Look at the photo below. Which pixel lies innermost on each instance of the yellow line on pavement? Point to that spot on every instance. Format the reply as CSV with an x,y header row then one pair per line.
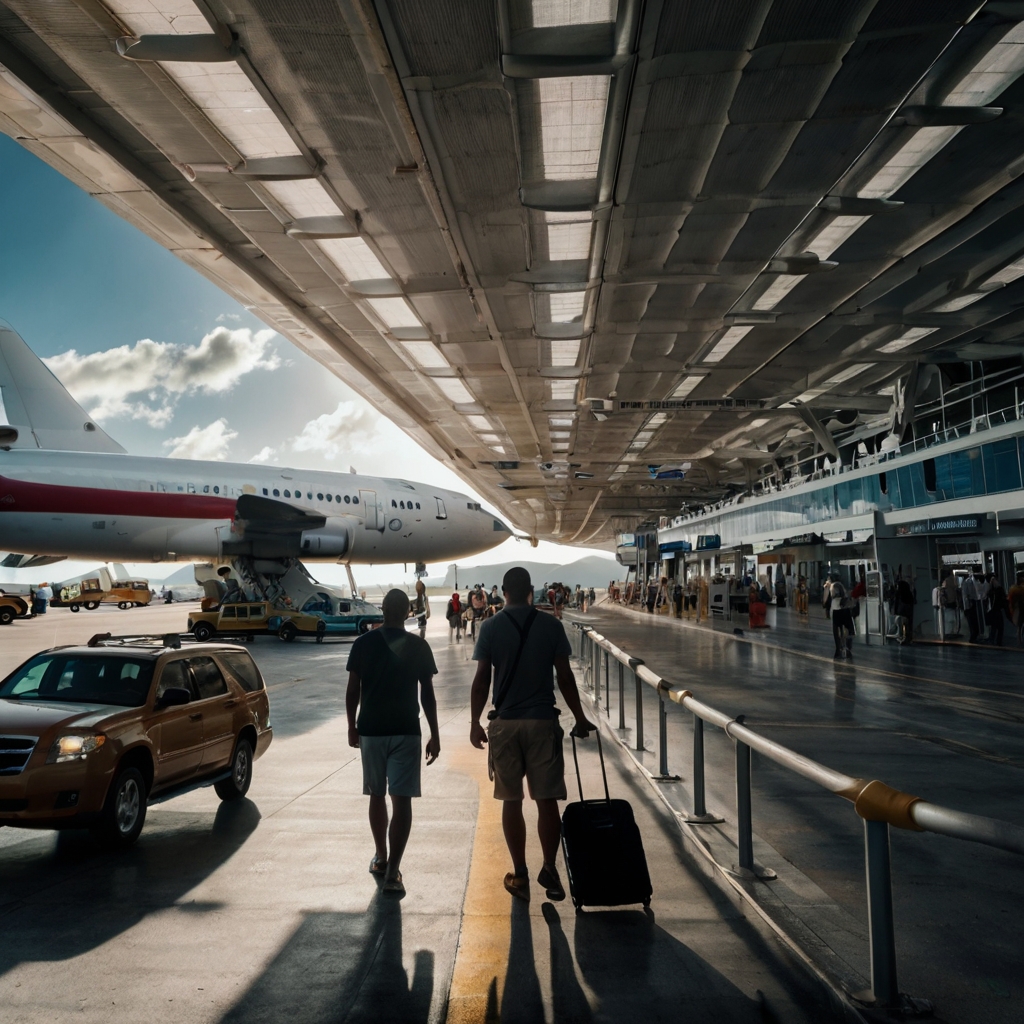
x,y
478,977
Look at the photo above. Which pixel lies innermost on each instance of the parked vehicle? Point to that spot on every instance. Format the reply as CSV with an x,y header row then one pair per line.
x,y
241,618
12,607
320,617
129,594
86,593
89,736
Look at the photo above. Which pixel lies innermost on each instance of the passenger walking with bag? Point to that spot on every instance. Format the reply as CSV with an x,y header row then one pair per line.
x,y
454,616
841,605
390,674
524,650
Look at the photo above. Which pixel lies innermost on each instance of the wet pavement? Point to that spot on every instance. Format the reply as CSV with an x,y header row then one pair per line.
x,y
940,722
265,911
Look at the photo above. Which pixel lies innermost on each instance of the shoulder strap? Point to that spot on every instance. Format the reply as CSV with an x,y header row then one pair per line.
x,y
506,683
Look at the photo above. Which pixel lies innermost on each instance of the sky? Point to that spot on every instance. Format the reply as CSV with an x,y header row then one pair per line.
x,y
170,365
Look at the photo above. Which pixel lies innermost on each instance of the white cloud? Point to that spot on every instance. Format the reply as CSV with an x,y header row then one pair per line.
x,y
264,454
208,443
352,427
144,381
228,316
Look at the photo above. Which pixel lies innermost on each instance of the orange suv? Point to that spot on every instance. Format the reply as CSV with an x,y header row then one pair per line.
x,y
90,735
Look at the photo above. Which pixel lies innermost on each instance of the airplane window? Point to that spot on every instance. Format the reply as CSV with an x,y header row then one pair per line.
x,y
216,489
319,497
394,504
206,488
355,501
329,498
309,495
180,488
337,498
417,504
264,490
277,493
348,500
191,488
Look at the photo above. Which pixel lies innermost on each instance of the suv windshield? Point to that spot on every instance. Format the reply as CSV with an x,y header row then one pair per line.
x,y
81,679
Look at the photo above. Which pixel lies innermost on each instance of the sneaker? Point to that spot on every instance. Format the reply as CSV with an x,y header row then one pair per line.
x,y
518,886
553,888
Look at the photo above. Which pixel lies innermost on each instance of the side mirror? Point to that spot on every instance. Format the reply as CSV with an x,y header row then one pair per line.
x,y
173,696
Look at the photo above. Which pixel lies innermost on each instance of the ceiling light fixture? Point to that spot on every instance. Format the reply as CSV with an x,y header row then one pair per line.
x,y
726,344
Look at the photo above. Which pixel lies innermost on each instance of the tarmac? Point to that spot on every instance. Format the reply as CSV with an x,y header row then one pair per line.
x,y
265,911
939,721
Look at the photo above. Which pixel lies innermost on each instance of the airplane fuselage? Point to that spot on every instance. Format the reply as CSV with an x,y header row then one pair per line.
x,y
111,506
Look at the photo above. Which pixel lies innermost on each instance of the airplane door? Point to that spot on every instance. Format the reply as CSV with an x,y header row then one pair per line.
x,y
371,510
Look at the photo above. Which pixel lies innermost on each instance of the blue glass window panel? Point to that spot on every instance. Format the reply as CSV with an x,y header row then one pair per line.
x,y
1002,469
943,478
922,496
906,485
968,477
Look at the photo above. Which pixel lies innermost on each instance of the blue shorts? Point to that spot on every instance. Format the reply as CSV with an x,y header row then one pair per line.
x,y
390,764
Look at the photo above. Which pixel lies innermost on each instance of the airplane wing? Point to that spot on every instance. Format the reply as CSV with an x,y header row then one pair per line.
x,y
268,515
15,561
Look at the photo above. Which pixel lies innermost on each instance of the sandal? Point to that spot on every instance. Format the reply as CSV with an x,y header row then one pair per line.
x,y
553,887
394,884
518,886
378,866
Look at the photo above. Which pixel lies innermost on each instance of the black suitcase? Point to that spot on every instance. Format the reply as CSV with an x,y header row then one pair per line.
x,y
604,854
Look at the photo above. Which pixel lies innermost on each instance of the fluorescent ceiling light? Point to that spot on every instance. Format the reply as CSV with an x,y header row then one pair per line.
x,y
479,422
726,344
355,259
490,439
561,421
562,446
565,307
564,353
958,302
759,422
426,354
562,390
778,290
999,68
837,231
849,372
454,390
622,468
907,338
548,13
657,419
636,446
497,448
303,198
572,113
687,385
560,435
568,235
395,312
644,435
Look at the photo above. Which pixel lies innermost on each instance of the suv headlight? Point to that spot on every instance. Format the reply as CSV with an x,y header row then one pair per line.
x,y
74,748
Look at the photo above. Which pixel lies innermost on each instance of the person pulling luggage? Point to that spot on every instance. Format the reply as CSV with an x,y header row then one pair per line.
x,y
523,649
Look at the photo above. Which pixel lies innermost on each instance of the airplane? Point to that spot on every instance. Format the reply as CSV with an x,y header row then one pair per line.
x,y
68,489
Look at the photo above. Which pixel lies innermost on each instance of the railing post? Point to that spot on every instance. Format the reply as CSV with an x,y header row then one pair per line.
x,y
595,674
607,684
700,814
663,774
881,929
622,696
747,866
639,689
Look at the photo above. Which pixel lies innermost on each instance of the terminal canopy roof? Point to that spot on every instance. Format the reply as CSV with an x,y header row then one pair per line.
x,y
606,258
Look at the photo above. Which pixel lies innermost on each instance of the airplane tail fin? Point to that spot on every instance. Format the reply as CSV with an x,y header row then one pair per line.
x,y
37,408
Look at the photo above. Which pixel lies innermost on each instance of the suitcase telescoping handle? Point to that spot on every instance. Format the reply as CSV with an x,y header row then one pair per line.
x,y
576,761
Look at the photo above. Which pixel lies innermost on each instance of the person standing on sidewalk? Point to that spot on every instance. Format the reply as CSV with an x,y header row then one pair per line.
x,y
390,674
525,649
841,605
999,610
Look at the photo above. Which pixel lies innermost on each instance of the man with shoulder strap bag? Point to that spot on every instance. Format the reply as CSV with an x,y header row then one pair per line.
x,y
526,649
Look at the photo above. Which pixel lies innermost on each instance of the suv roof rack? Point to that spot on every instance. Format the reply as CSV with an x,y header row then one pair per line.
x,y
168,640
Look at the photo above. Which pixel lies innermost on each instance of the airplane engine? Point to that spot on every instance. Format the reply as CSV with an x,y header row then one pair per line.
x,y
329,541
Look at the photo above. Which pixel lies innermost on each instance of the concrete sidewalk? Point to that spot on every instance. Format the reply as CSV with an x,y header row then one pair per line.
x,y
264,911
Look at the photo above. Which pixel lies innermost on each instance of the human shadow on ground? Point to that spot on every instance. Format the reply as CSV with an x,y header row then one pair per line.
x,y
65,895
344,967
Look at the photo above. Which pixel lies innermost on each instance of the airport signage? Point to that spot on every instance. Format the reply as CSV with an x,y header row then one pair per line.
x,y
948,524
802,538
708,541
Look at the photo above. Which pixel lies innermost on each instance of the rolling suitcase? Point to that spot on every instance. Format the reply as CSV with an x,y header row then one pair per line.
x,y
604,854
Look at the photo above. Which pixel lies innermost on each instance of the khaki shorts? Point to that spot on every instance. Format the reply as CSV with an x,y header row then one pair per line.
x,y
391,764
530,747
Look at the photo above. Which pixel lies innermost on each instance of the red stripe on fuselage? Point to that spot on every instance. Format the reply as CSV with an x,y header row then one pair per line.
x,y
22,496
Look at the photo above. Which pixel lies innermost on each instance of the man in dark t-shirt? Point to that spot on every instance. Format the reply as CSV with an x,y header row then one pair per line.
x,y
390,673
527,649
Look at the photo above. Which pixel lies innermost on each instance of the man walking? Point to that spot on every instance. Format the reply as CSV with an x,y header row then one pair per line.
x,y
525,648
842,617
386,667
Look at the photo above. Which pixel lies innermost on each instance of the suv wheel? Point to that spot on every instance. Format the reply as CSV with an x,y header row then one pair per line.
x,y
91,605
237,786
124,813
6,616
75,607
202,631
288,632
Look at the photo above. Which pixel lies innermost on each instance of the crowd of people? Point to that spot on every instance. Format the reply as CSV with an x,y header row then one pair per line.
x,y
466,611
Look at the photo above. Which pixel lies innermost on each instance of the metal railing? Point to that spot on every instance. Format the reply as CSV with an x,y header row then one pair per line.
x,y
880,806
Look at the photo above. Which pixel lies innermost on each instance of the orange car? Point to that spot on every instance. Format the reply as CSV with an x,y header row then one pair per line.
x,y
90,735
